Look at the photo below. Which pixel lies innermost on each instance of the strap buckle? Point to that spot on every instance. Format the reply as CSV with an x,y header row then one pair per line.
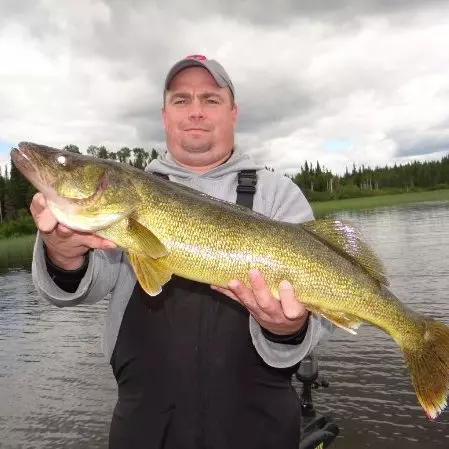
x,y
247,180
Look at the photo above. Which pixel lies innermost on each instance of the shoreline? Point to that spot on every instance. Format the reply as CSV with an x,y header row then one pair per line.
x,y
16,252
321,208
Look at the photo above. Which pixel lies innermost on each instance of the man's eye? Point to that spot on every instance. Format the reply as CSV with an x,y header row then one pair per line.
x,y
212,101
179,101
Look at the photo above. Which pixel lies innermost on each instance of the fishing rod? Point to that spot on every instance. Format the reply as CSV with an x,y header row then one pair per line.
x,y
318,430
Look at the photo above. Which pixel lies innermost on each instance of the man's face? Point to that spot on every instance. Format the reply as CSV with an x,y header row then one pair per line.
x,y
199,119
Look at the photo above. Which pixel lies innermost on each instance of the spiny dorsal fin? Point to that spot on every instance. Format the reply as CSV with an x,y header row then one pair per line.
x,y
152,274
345,238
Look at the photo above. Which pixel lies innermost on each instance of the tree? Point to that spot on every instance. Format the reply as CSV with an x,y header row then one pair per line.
x,y
140,158
92,150
100,152
72,148
2,195
19,191
103,152
123,155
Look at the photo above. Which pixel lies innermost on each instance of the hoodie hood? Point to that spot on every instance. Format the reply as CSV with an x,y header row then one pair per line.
x,y
166,165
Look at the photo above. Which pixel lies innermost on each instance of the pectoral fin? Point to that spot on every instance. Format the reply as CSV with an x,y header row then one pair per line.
x,y
146,239
134,237
151,273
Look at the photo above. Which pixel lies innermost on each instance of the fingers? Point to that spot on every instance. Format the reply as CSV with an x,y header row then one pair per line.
x,y
47,224
62,231
225,291
44,219
83,239
243,294
263,296
291,307
257,298
284,316
93,241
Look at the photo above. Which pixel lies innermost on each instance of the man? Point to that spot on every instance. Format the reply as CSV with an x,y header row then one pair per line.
x,y
197,366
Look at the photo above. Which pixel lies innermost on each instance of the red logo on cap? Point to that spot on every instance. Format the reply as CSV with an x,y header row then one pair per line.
x,y
197,57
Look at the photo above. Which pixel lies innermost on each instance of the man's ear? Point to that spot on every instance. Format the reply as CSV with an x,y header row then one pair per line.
x,y
164,117
235,113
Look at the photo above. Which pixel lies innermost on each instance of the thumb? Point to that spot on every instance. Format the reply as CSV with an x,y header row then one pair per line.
x,y
45,221
94,241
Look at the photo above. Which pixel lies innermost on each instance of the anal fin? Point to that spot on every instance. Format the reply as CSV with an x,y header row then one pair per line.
x,y
345,321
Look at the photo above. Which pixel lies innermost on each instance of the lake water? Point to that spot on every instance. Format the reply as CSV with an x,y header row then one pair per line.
x,y
57,391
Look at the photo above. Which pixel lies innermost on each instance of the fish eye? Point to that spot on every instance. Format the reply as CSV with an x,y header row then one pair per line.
x,y
62,160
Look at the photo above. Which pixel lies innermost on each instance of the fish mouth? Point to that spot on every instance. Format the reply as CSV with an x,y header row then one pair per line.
x,y
21,160
26,164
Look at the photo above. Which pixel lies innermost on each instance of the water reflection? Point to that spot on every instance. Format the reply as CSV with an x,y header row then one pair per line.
x,y
56,389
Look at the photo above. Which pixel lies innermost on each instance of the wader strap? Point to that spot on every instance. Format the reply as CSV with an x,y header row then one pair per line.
x,y
246,187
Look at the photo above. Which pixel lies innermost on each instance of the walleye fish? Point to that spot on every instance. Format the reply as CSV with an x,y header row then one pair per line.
x,y
166,228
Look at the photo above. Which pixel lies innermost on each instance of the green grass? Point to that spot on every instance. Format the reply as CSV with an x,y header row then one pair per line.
x,y
325,207
24,225
16,252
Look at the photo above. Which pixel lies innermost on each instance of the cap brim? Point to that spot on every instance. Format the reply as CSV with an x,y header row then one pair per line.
x,y
181,65
215,69
186,63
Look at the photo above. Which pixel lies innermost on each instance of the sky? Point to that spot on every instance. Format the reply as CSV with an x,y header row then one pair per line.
x,y
343,82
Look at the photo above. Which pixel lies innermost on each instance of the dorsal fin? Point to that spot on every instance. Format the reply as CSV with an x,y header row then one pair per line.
x,y
348,241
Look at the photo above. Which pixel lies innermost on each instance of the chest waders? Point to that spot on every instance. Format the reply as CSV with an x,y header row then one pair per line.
x,y
189,376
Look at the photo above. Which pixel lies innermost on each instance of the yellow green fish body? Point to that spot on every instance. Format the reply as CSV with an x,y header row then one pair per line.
x,y
166,229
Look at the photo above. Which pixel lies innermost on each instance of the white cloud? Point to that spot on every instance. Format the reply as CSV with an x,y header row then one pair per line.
x,y
91,72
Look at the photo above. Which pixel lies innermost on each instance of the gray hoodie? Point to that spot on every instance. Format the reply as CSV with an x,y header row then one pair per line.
x,y
109,273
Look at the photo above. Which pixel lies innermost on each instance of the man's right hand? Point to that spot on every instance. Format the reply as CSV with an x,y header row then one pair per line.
x,y
66,248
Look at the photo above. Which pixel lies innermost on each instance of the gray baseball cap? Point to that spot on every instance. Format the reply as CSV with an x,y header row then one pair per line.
x,y
213,67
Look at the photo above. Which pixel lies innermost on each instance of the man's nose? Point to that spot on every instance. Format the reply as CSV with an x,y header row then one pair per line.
x,y
196,110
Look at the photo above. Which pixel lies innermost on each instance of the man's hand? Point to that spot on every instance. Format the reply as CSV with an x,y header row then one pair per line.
x,y
65,248
284,317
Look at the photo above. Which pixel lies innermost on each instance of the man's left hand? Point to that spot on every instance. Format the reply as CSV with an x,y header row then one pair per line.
x,y
284,317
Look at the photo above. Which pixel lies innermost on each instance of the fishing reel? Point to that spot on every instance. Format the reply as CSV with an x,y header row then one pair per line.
x,y
318,430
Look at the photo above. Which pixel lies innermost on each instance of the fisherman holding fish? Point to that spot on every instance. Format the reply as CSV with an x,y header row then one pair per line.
x,y
197,366
206,366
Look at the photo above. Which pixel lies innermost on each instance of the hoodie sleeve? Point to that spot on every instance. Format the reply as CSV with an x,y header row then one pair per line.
x,y
92,287
281,199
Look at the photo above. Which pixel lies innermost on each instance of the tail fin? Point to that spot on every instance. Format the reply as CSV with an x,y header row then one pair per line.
x,y
429,368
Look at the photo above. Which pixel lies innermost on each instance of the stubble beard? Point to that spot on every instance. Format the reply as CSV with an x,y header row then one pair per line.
x,y
197,148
